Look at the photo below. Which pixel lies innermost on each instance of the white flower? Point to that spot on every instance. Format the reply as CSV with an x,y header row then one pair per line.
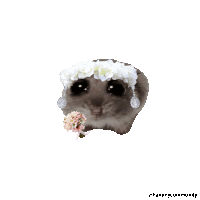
x,y
132,71
65,82
65,77
125,73
86,70
73,70
97,69
74,77
64,74
132,82
125,80
117,76
110,62
103,70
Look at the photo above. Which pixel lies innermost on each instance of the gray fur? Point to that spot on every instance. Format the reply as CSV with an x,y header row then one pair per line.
x,y
118,115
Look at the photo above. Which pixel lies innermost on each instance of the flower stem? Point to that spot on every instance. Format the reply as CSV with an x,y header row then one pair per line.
x,y
81,135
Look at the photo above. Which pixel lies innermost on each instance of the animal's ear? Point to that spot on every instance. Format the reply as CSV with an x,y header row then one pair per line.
x,y
142,87
142,81
138,71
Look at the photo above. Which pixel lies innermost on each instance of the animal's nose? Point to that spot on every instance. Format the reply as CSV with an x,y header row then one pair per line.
x,y
96,111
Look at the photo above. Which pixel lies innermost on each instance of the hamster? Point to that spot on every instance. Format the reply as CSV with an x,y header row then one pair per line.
x,y
106,105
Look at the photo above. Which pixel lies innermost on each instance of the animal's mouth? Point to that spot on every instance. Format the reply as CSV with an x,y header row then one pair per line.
x,y
96,117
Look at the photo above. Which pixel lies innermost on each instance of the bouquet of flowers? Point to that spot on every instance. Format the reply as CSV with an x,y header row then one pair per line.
x,y
75,121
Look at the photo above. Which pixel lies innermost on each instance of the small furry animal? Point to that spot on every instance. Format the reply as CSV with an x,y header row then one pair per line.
x,y
106,105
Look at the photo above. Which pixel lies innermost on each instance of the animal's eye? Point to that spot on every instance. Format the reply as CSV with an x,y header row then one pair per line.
x,y
79,87
115,88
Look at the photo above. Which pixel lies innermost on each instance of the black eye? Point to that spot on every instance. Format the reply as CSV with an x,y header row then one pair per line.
x,y
115,88
79,87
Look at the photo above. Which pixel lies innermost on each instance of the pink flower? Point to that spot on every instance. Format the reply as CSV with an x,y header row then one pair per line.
x,y
66,126
82,127
74,121
83,117
78,116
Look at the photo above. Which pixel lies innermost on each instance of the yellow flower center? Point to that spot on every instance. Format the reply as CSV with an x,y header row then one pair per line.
x,y
103,72
96,68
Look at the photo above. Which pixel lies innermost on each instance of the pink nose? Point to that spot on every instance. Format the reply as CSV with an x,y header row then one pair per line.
x,y
96,111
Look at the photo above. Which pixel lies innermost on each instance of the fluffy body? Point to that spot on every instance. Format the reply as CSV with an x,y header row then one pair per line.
x,y
117,113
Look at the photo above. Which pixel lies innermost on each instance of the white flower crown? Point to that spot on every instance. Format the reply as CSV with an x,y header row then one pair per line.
x,y
104,70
